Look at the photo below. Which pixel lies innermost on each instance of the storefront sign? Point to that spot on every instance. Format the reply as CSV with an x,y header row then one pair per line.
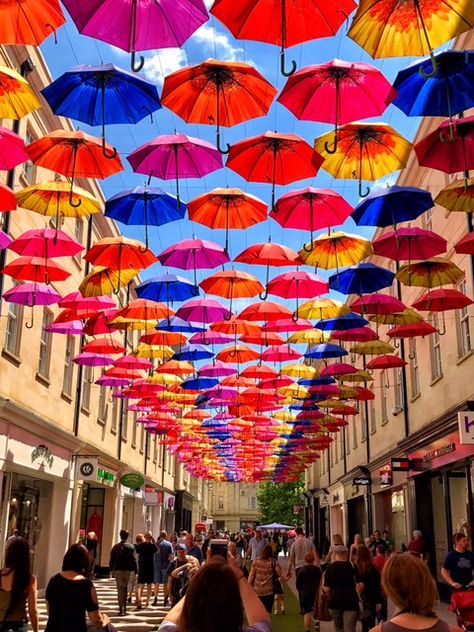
x,y
133,480
441,451
386,477
105,477
466,427
44,453
169,502
361,480
324,500
153,498
86,468
400,465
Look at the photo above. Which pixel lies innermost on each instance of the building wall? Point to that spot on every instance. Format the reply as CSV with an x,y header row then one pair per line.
x,y
233,505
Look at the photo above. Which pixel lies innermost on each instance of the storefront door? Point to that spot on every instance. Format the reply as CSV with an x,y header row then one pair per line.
x,y
92,513
357,517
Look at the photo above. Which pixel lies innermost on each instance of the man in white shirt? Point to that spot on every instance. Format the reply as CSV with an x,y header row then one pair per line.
x,y
301,546
256,545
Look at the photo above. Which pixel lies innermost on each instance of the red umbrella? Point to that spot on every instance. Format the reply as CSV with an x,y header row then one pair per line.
x,y
386,362
338,368
409,243
104,345
265,311
275,158
441,300
297,285
289,324
411,331
7,198
380,304
360,334
281,353
465,246
47,243
262,338
37,269
12,149
259,372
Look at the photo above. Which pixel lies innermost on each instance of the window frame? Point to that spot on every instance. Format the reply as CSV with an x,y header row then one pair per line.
x,y
15,315
46,346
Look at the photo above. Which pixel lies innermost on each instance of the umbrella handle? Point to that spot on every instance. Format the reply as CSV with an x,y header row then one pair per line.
x,y
363,194
71,200
310,249
396,344
353,358
443,331
50,26
223,151
104,151
370,371
284,72
140,65
31,322
331,150
451,136
434,69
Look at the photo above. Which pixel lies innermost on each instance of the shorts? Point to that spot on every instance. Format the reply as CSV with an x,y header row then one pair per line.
x,y
161,576
307,603
145,576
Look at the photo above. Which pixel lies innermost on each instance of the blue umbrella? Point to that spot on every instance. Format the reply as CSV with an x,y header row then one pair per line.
x,y
448,92
145,206
364,278
342,323
191,353
178,324
321,352
196,384
318,381
97,95
392,205
167,288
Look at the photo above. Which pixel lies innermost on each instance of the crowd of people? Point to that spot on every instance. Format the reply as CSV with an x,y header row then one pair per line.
x,y
208,579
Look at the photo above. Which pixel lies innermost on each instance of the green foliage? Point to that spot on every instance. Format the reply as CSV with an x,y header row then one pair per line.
x,y
276,502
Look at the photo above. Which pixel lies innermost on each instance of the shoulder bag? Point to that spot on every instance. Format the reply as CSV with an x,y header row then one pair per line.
x,y
321,610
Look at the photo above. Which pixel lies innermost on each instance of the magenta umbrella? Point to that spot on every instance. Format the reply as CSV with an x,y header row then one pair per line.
x,y
377,304
5,240
281,353
93,359
410,243
69,328
210,338
31,294
217,369
12,149
297,284
134,25
46,242
194,254
203,311
175,156
106,380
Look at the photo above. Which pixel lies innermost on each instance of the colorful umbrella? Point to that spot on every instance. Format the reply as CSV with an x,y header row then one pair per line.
x,y
238,354
337,92
36,269
217,369
102,281
47,243
364,278
104,345
392,205
377,304
98,95
178,324
458,196
194,254
372,347
144,206
52,200
297,285
211,338
430,274
93,359
31,294
263,338
336,250
29,21
367,151
7,199
12,149
142,309
74,155
409,243
134,26
5,240
281,353
203,311
411,331
341,323
325,351
465,246
226,209
168,288
406,317
323,308
223,93
17,99
282,23
275,158
175,156
120,253
383,362
265,311
192,353
232,284
442,300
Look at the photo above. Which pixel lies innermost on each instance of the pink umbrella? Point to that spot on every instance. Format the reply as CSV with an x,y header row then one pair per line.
x,y
410,243
93,359
46,242
194,254
381,304
297,284
338,368
70,328
30,294
277,382
75,300
210,338
5,240
281,353
12,150
288,325
134,26
171,157
203,311
359,334
130,362
105,380
217,369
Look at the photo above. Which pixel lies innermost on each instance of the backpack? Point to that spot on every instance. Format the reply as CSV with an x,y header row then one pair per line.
x,y
124,558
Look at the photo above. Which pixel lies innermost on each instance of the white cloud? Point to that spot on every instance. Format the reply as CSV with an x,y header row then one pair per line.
x,y
208,3
218,44
163,62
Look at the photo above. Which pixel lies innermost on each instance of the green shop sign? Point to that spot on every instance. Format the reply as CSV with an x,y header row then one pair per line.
x,y
105,477
133,480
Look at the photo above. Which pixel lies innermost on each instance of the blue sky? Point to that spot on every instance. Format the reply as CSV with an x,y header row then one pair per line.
x,y
213,40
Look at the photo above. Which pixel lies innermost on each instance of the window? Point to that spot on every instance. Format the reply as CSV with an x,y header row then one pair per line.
x,y
435,349
78,233
155,449
347,439
372,418
29,170
124,423
414,370
142,440
220,502
427,219
68,366
383,399
463,329
115,414
86,388
398,379
363,428
14,326
354,434
253,502
134,430
46,341
103,407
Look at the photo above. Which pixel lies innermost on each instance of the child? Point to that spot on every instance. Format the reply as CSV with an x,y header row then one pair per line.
x,y
307,584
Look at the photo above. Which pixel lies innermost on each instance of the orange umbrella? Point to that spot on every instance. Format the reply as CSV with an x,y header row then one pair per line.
x,y
75,155
238,354
265,311
120,253
232,284
176,367
142,309
167,338
235,327
227,208
29,21
221,92
263,338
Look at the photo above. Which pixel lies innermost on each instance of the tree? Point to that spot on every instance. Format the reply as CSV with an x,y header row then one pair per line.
x,y
276,502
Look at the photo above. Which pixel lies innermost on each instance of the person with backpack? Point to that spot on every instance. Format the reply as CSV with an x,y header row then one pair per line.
x,y
161,561
122,563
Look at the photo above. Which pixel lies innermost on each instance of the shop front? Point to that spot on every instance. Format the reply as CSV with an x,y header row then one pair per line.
x,y
337,513
358,499
169,518
389,491
324,525
184,511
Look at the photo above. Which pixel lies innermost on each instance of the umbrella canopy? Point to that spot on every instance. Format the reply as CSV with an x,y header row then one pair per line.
x,y
276,525
336,250
232,284
120,253
168,288
29,21
238,354
203,311
386,362
392,205
263,338
442,300
223,93
430,274
323,308
7,198
448,148
265,311
52,200
12,149
411,331
46,242
365,278
409,243
17,99
324,351
102,281
36,269
458,196
342,323
281,353
30,294
193,353
377,304
211,338
406,317
142,309
465,246
373,347
194,254
217,369
269,254
5,240
298,284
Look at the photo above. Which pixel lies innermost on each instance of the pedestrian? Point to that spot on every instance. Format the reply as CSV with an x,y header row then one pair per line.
x,y
216,600
386,537
299,548
146,573
70,594
408,583
354,546
371,594
336,541
377,541
341,582
161,561
284,543
458,565
417,546
307,584
193,549
256,545
275,544
18,588
176,582
261,577
91,545
380,558
122,562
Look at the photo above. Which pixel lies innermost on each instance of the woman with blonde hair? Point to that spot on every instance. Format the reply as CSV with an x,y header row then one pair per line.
x,y
354,546
408,583
336,541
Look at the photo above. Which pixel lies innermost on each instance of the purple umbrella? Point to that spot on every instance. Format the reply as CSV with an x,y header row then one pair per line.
x,y
217,369
5,240
211,338
175,156
105,380
203,311
138,25
194,254
69,328
93,359
31,294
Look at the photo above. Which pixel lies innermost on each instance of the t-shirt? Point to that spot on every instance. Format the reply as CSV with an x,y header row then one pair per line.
x,y
68,600
163,554
256,547
196,552
146,552
122,557
341,578
379,561
307,580
260,626
300,547
460,566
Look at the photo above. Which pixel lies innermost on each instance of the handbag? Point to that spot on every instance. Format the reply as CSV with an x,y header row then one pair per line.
x,y
277,587
321,610
365,610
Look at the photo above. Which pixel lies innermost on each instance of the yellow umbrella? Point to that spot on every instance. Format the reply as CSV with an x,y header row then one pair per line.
x,y
136,325
52,199
17,99
322,309
284,415
167,379
457,196
302,371
294,390
409,316
102,281
372,347
335,250
154,351
431,273
309,336
360,376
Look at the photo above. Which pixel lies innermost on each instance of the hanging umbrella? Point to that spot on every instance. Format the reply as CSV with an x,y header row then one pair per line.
x,y
341,323
134,26
178,324
407,317
227,209
391,29
203,311
175,156
411,331
441,300
430,274
458,196
308,336
265,311
71,328
297,285
7,199
5,240
336,250
100,95
211,338
52,200
17,99
142,309
74,155
311,209
366,151
259,372
364,278
281,353
324,351
224,93
274,158
409,243
192,353
104,345
337,369
46,242
165,338
12,149
238,354
217,369
31,294
465,246
337,92
323,308
168,288
194,254
93,359
232,284
120,253
386,362
372,347
36,269
144,206
29,21
281,22
392,205
377,304
102,281
263,338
